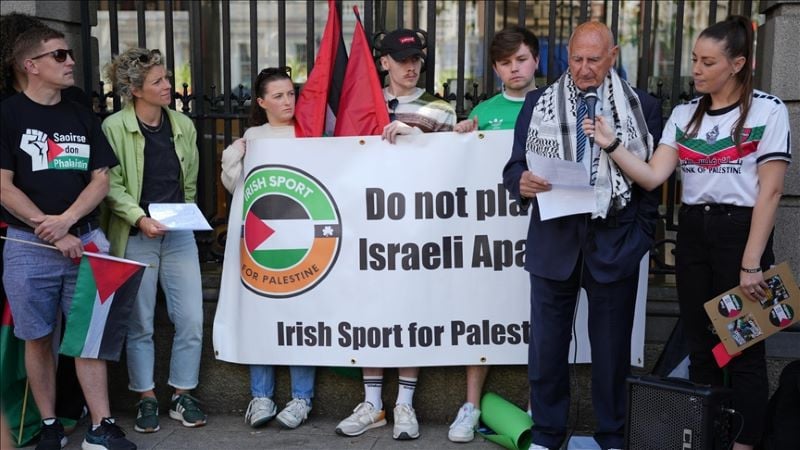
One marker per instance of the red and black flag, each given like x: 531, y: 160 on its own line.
x: 318, y: 105
x: 362, y: 107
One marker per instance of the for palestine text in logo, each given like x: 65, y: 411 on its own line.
x: 291, y: 231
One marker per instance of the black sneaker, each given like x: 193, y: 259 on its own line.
x: 51, y: 437
x: 108, y: 436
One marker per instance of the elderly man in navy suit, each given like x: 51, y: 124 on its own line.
x: 599, y: 251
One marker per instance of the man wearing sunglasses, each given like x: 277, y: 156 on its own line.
x: 54, y: 162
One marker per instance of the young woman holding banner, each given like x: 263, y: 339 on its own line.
x: 732, y: 145
x: 272, y: 116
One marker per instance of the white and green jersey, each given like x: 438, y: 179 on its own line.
x: 422, y: 110
x: 498, y: 113
x: 713, y: 170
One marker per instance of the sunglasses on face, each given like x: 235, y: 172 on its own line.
x: 269, y: 71
x: 59, y: 55
x: 145, y: 58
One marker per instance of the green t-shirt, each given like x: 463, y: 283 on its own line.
x: 497, y: 113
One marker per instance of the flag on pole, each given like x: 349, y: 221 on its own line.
x: 104, y: 293
x: 318, y: 104
x: 362, y: 109
x: 19, y: 409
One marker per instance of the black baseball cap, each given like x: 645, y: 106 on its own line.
x: 402, y: 43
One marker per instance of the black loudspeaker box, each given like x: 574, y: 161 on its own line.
x: 676, y: 414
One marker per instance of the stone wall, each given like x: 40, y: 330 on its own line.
x: 776, y: 73
x: 225, y: 388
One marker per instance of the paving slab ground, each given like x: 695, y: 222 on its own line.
x: 229, y: 432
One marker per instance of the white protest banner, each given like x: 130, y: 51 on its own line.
x: 355, y: 252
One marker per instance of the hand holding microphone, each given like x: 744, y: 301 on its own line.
x: 596, y: 126
x: 590, y: 98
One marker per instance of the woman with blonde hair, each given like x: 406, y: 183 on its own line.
x: 157, y: 150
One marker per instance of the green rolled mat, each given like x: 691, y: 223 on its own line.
x: 508, y: 425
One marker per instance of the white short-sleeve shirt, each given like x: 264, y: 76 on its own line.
x: 713, y: 170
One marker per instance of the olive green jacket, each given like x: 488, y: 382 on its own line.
x: 121, y: 209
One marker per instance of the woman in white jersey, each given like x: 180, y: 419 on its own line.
x: 272, y: 116
x: 732, y: 147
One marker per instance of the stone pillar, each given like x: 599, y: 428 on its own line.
x: 66, y: 18
x: 776, y: 72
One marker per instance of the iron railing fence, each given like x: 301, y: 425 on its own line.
x: 656, y: 34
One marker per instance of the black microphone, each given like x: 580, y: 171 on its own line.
x: 590, y: 97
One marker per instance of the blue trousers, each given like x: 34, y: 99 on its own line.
x: 174, y: 263
x: 611, y: 310
x: 262, y: 381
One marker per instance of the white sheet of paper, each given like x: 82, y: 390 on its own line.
x: 570, y: 193
x: 179, y: 216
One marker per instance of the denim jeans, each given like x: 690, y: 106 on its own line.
x: 174, y: 263
x: 262, y: 381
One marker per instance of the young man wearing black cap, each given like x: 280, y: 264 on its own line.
x: 412, y: 110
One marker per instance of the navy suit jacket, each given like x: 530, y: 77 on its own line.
x: 612, y: 248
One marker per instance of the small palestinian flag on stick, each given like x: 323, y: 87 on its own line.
x: 98, y: 317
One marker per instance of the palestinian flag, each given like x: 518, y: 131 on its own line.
x: 290, y: 232
x: 278, y: 231
x: 19, y: 409
x: 104, y: 293
x: 58, y: 158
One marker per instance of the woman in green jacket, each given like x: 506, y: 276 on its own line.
x: 158, y: 155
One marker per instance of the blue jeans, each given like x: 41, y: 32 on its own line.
x: 262, y: 381
x: 174, y: 262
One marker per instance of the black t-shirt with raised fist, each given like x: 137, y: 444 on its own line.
x: 52, y: 150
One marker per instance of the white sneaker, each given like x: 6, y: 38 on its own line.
x: 463, y: 428
x: 405, y: 422
x: 260, y: 411
x: 295, y: 413
x: 365, y: 417
x: 537, y: 447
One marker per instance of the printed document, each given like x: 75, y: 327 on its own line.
x: 179, y: 216
x: 571, y: 192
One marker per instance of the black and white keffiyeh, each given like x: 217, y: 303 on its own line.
x: 552, y: 134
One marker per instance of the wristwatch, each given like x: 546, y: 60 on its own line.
x: 612, y: 146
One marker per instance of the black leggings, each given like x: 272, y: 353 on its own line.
x: 711, y: 242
